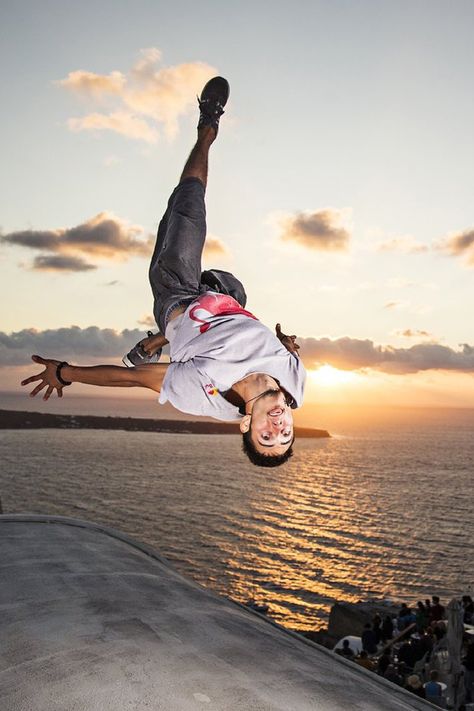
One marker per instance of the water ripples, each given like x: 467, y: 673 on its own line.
x: 387, y: 513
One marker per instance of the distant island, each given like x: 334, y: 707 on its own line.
x: 23, y: 420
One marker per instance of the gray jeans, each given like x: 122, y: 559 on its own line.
x: 175, y: 269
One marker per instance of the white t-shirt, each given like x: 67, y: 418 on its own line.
x: 213, y: 345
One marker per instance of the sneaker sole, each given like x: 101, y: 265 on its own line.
x: 127, y: 362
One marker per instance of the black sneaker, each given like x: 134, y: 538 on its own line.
x: 139, y: 356
x: 214, y: 97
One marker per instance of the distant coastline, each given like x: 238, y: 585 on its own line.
x: 22, y: 420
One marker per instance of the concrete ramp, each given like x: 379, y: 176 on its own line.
x: 93, y: 621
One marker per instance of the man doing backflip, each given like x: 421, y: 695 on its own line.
x: 224, y: 363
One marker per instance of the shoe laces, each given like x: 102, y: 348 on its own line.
x: 205, y: 108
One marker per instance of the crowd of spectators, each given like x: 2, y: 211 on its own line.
x: 404, y: 648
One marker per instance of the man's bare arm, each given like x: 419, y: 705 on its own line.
x: 145, y: 376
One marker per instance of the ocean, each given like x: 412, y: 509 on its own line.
x: 379, y: 511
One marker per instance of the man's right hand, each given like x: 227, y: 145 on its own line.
x: 47, y: 378
x: 288, y: 341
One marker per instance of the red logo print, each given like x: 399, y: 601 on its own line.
x: 209, y: 305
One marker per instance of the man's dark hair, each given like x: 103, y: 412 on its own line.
x: 264, y: 460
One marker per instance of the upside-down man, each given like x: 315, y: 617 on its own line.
x: 224, y: 362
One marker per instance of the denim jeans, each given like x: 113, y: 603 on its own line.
x: 175, y: 269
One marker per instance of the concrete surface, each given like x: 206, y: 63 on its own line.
x: 93, y: 621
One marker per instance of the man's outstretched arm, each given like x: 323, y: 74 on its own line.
x: 145, y: 376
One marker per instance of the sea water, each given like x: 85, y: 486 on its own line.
x: 382, y: 512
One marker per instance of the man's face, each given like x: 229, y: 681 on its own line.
x: 270, y: 424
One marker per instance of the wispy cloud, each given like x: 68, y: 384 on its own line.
x: 95, y: 86
x: 58, y: 263
x: 394, y: 304
x: 93, y: 343
x: 140, y: 101
x: 104, y: 236
x: 411, y: 333
x: 405, y: 244
x: 459, y: 244
x: 322, y: 230
x: 121, y: 122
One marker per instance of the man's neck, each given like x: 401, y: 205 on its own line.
x: 250, y: 387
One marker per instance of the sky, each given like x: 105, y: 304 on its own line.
x: 340, y: 186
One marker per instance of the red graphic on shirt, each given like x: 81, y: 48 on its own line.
x: 211, y: 389
x: 209, y: 305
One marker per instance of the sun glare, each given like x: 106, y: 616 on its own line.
x: 329, y: 377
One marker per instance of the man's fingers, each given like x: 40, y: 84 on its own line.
x: 278, y: 329
x: 38, y: 388
x: 48, y: 393
x: 60, y: 392
x: 31, y: 379
x: 38, y: 359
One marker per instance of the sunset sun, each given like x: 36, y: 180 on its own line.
x: 328, y: 377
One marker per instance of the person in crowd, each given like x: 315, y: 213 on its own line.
x: 384, y: 661
x: 393, y: 675
x: 345, y: 650
x: 428, y: 607
x: 439, y: 631
x: 387, y: 628
x: 405, y: 617
x: 417, y: 649
x: 427, y: 641
x: 421, y: 617
x: 369, y: 642
x: 406, y: 655
x: 468, y: 664
x: 437, y: 610
x: 403, y: 670
x: 414, y: 685
x: 363, y: 661
x: 433, y: 689
x: 468, y: 608
x: 377, y: 627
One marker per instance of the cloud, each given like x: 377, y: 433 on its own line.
x: 322, y: 230
x: 214, y: 247
x: 102, y: 237
x: 141, y: 100
x: 61, y: 264
x: 93, y: 85
x: 121, y: 122
x: 459, y: 244
x: 354, y: 354
x: 405, y: 245
x: 410, y: 333
x: 394, y: 304
x: 93, y: 344
x: 74, y: 343
x: 147, y: 321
